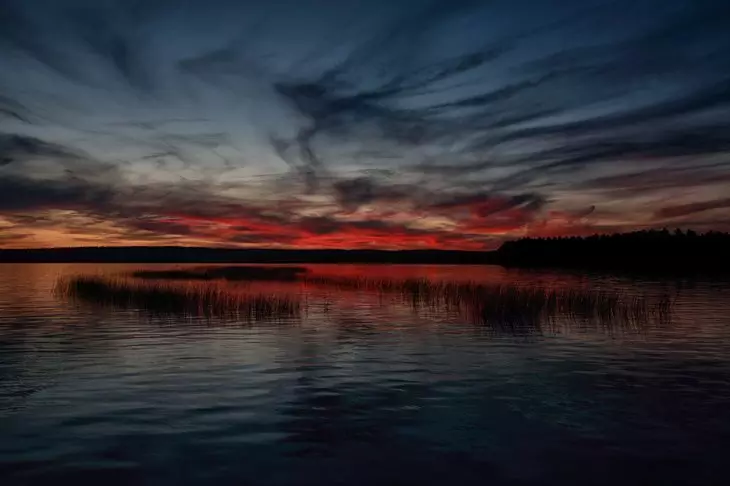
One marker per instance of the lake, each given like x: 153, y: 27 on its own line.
x: 362, y: 387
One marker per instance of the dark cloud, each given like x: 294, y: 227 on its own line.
x: 485, y: 205
x: 692, y: 208
x: 160, y: 227
x: 25, y: 194
x: 18, y: 148
x: 14, y: 238
x: 173, y: 210
x: 654, y: 127
x: 662, y: 179
x: 333, y: 104
x: 353, y: 193
x: 14, y: 110
x: 329, y: 226
x: 714, y: 96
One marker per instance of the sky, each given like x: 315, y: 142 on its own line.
x: 448, y: 124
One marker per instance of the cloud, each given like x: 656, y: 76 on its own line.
x: 681, y: 210
x: 438, y: 124
x: 356, y: 192
x: 661, y: 179
x: 527, y: 112
x: 485, y: 205
x: 13, y: 238
x: 155, y: 213
x: 23, y: 194
x: 13, y: 110
x: 18, y: 148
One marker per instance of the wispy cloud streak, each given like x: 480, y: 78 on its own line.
x: 377, y: 124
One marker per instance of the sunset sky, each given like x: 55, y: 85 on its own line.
x: 360, y: 124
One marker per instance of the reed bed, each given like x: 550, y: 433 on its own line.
x: 500, y: 307
x: 507, y: 304
x: 188, y: 299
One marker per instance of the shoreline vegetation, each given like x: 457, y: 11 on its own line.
x: 652, y: 251
x: 207, y: 292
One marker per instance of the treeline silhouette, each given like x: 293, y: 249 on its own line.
x: 641, y: 251
x: 660, y: 251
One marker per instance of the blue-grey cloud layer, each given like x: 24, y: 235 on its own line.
x: 332, y: 116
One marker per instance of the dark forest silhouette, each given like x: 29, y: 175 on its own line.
x: 654, y: 250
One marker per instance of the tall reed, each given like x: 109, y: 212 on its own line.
x: 488, y: 304
x: 189, y: 298
x: 512, y: 304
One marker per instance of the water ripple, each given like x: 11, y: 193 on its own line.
x: 368, y: 391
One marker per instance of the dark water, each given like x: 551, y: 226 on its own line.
x: 361, y: 390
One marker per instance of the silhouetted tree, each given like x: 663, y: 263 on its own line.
x: 656, y: 250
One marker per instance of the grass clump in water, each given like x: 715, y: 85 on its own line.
x: 513, y: 305
x: 204, y: 291
x: 190, y: 298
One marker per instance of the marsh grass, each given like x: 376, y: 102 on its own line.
x: 187, y: 298
x: 500, y: 307
x: 514, y: 305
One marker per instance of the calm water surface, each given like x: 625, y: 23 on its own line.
x: 361, y: 390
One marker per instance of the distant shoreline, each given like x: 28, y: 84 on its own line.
x: 215, y: 255
x: 645, y: 252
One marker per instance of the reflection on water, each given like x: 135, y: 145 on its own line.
x: 362, y: 388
